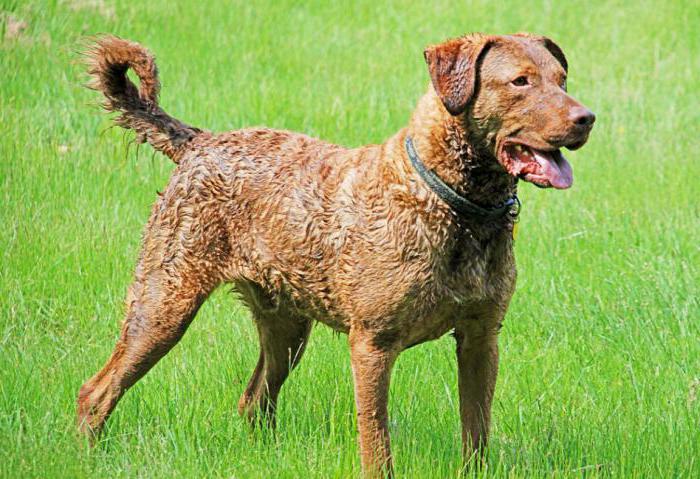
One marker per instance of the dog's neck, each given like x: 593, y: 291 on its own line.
x: 444, y: 146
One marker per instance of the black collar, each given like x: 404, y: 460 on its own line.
x: 457, y: 202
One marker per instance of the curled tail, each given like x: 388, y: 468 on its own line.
x: 108, y: 60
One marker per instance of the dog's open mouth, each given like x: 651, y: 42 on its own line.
x: 543, y: 168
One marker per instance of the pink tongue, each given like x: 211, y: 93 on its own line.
x: 558, y: 172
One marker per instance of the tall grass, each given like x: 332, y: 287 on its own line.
x: 600, y: 367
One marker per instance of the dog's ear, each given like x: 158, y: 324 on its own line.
x: 452, y: 67
x: 556, y: 52
x: 552, y: 47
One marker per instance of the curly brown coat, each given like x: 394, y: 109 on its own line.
x: 353, y: 238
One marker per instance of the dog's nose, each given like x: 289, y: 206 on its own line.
x: 581, y: 117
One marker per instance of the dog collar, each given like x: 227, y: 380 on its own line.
x: 457, y: 202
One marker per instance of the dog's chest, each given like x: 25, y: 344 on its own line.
x: 475, y: 274
x: 475, y: 268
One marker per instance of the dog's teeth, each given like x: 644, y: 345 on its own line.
x: 518, y: 148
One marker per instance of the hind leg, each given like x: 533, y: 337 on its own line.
x: 283, y: 338
x: 160, y: 306
x: 184, y: 254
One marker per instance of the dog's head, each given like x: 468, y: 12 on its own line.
x: 510, y: 92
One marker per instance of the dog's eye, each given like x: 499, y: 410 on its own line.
x: 521, y: 81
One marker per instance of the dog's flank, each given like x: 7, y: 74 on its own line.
x: 108, y: 61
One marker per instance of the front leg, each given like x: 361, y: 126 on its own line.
x: 477, y: 364
x: 371, y: 370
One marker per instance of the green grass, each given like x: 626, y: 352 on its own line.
x: 601, y: 346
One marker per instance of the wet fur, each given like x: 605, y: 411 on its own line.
x: 310, y: 231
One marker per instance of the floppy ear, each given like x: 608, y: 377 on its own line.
x: 556, y: 52
x: 549, y: 45
x: 452, y: 67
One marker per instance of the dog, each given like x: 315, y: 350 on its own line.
x: 394, y: 244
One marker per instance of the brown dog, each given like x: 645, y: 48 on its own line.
x: 394, y: 244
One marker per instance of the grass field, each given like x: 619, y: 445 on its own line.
x: 600, y: 371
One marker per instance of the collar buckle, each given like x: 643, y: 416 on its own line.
x: 515, y: 207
